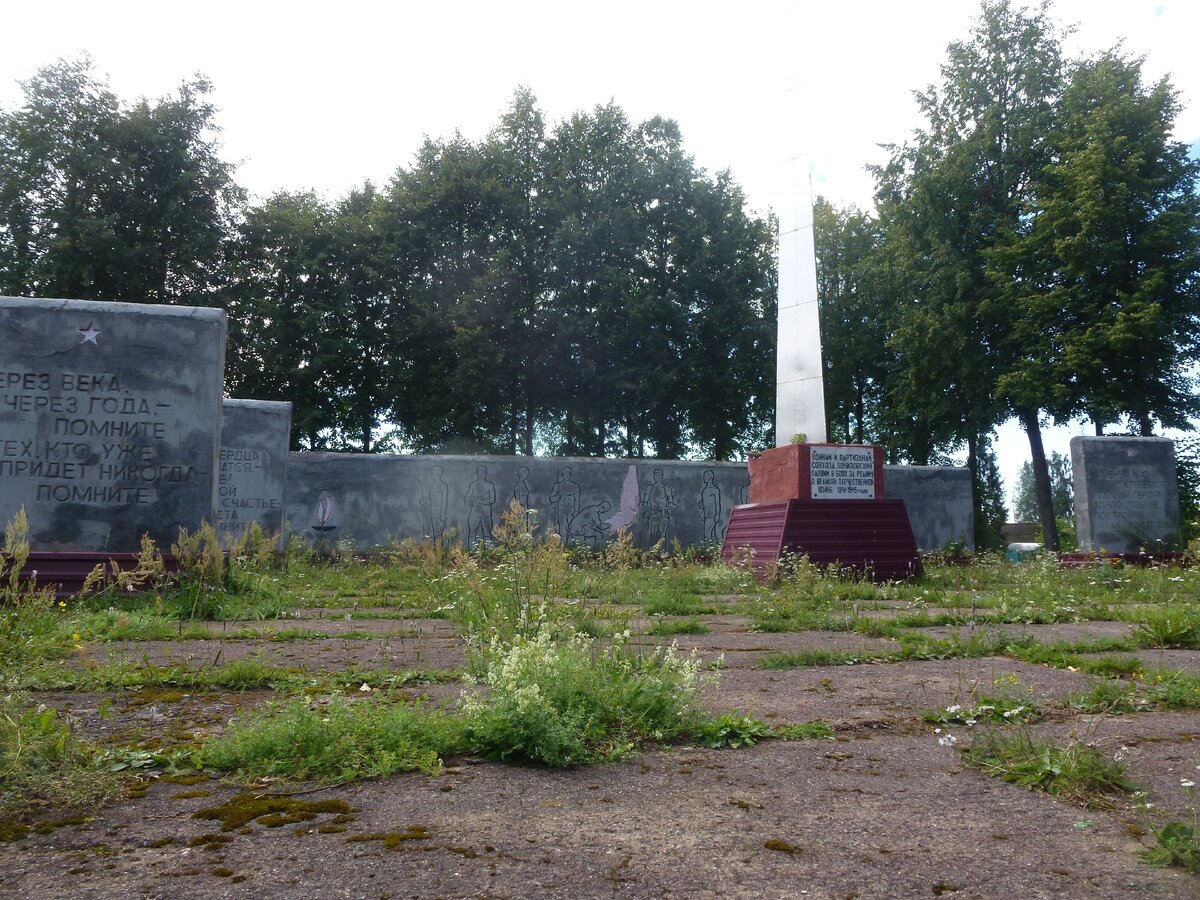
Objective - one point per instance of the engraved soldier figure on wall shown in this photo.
(564, 497)
(481, 496)
(657, 504)
(435, 497)
(710, 508)
(521, 490)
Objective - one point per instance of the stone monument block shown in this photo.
(110, 415)
(252, 466)
(1126, 494)
(939, 503)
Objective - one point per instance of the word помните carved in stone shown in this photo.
(109, 420)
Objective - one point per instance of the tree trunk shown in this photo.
(1145, 426)
(1041, 478)
(858, 415)
(368, 424)
(1099, 429)
(973, 468)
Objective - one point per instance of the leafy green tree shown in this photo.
(949, 200)
(1187, 468)
(730, 281)
(107, 202)
(855, 322)
(1025, 507)
(583, 289)
(1105, 273)
(990, 513)
(516, 159)
(284, 316)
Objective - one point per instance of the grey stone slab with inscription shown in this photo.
(252, 466)
(1126, 493)
(373, 500)
(110, 416)
(938, 500)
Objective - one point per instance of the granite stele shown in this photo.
(109, 420)
(1126, 494)
(253, 466)
(938, 499)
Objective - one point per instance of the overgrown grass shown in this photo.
(239, 675)
(562, 700)
(335, 740)
(1175, 844)
(1149, 691)
(1173, 690)
(669, 627)
(996, 710)
(804, 658)
(29, 618)
(133, 625)
(43, 760)
(1077, 772)
(735, 730)
(1170, 626)
(562, 686)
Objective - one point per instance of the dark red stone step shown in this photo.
(873, 537)
(65, 571)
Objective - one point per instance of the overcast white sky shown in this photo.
(327, 95)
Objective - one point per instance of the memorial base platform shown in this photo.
(874, 537)
(65, 571)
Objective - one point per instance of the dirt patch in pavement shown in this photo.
(1062, 632)
(324, 655)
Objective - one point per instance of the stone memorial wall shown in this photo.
(371, 501)
(109, 420)
(1126, 494)
(252, 466)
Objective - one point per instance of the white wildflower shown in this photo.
(947, 740)
(1186, 783)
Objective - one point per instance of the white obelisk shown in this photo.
(799, 389)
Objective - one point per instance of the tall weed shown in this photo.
(565, 701)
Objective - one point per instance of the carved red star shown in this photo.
(89, 334)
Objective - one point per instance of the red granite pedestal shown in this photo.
(823, 501)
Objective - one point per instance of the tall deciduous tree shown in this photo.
(106, 202)
(1105, 271)
(950, 200)
(284, 319)
(855, 322)
(1025, 507)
